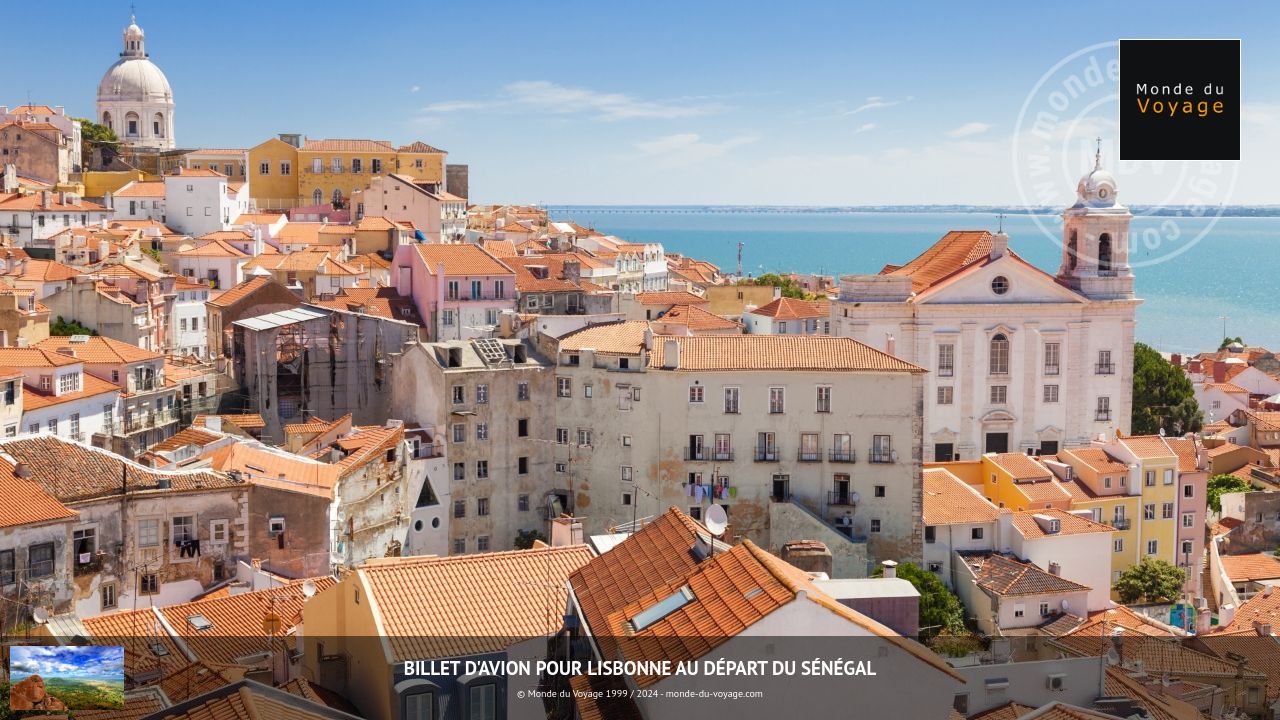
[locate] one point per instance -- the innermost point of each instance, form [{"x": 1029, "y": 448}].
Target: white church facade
[
  {"x": 1018, "y": 360},
  {"x": 134, "y": 97}
]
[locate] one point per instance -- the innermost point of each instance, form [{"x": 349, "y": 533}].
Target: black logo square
[{"x": 1180, "y": 99}]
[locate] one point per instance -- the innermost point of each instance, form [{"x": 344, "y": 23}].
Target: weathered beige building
[
  {"x": 487, "y": 402},
  {"x": 827, "y": 429}
]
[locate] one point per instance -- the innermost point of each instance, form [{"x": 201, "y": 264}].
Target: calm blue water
[{"x": 1230, "y": 271}]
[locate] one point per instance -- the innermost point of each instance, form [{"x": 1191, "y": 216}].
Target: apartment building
[
  {"x": 487, "y": 403},
  {"x": 828, "y": 425}
]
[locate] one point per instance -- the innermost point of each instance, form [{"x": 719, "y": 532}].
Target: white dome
[
  {"x": 134, "y": 79},
  {"x": 1098, "y": 187}
]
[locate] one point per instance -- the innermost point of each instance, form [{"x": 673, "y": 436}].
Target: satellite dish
[
  {"x": 40, "y": 615},
  {"x": 717, "y": 520},
  {"x": 309, "y": 588}
]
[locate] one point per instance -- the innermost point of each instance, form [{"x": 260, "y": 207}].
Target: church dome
[
  {"x": 1098, "y": 187},
  {"x": 136, "y": 79}
]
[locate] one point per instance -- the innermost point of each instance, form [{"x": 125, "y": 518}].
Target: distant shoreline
[{"x": 1243, "y": 211}]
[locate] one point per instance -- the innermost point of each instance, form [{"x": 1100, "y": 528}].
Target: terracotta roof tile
[
  {"x": 956, "y": 250},
  {"x": 1069, "y": 524},
  {"x": 948, "y": 500},
  {"x": 614, "y": 338},
  {"x": 44, "y": 271},
  {"x": 142, "y": 188},
  {"x": 214, "y": 248},
  {"x": 235, "y": 294},
  {"x": 1008, "y": 577},
  {"x": 1008, "y": 711},
  {"x": 27, "y": 502},
  {"x": 696, "y": 318},
  {"x": 785, "y": 308},
  {"x": 464, "y": 259},
  {"x": 98, "y": 349},
  {"x": 1148, "y": 447},
  {"x": 420, "y": 147},
  {"x": 1020, "y": 466},
  {"x": 776, "y": 352},
  {"x": 346, "y": 145},
  {"x": 1254, "y": 566},
  {"x": 1097, "y": 459},
  {"x": 432, "y": 607},
  {"x": 72, "y": 472},
  {"x": 671, "y": 297}
]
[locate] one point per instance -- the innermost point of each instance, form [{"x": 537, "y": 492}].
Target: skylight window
[
  {"x": 199, "y": 622},
  {"x": 663, "y": 608}
]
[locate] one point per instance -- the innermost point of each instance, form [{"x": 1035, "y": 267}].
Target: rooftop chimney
[
  {"x": 890, "y": 568},
  {"x": 999, "y": 245},
  {"x": 21, "y": 469},
  {"x": 1219, "y": 372},
  {"x": 671, "y": 354}
]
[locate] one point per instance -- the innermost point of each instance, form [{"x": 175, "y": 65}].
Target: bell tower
[{"x": 1095, "y": 238}]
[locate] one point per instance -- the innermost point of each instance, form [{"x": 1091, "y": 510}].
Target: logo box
[{"x": 1180, "y": 99}]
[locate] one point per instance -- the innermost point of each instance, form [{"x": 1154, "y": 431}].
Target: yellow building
[
  {"x": 290, "y": 171},
  {"x": 273, "y": 174},
  {"x": 1151, "y": 489},
  {"x": 228, "y": 161}
]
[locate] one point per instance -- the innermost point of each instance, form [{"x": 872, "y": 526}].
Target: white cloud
[
  {"x": 969, "y": 128},
  {"x": 683, "y": 149},
  {"x": 865, "y": 127},
  {"x": 551, "y": 98},
  {"x": 415, "y": 88},
  {"x": 875, "y": 102}
]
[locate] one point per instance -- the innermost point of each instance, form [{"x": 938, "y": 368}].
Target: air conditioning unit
[
  {"x": 1056, "y": 682},
  {"x": 935, "y": 567},
  {"x": 276, "y": 525}
]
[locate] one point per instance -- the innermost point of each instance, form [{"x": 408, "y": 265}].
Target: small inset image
[{"x": 53, "y": 677}]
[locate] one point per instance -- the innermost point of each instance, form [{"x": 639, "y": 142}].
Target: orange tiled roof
[
  {"x": 33, "y": 357},
  {"x": 214, "y": 248},
  {"x": 190, "y": 436},
  {"x": 98, "y": 349},
  {"x": 1020, "y": 466},
  {"x": 1264, "y": 607},
  {"x": 776, "y": 352},
  {"x": 1008, "y": 577},
  {"x": 1008, "y": 711},
  {"x": 697, "y": 318},
  {"x": 432, "y": 607},
  {"x": 196, "y": 172},
  {"x": 27, "y": 502},
  {"x": 1260, "y": 653},
  {"x": 948, "y": 500},
  {"x": 276, "y": 468},
  {"x": 44, "y": 271},
  {"x": 1068, "y": 523},
  {"x": 235, "y": 294},
  {"x": 345, "y": 145},
  {"x": 380, "y": 302},
  {"x": 35, "y": 201},
  {"x": 670, "y": 297},
  {"x": 72, "y": 472},
  {"x": 614, "y": 338},
  {"x": 90, "y": 386},
  {"x": 1253, "y": 566},
  {"x": 1148, "y": 447},
  {"x": 244, "y": 421},
  {"x": 1097, "y": 459},
  {"x": 785, "y": 308},
  {"x": 955, "y": 251},
  {"x": 464, "y": 259},
  {"x": 420, "y": 147},
  {"x": 142, "y": 188}
]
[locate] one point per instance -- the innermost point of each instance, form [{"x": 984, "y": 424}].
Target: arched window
[
  {"x": 317, "y": 197},
  {"x": 337, "y": 198},
  {"x": 106, "y": 120},
  {"x": 999, "y": 360},
  {"x": 1104, "y": 253},
  {"x": 131, "y": 125},
  {"x": 157, "y": 125},
  {"x": 1071, "y": 251}
]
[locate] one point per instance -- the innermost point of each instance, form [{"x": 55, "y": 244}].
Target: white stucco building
[
  {"x": 134, "y": 97},
  {"x": 1018, "y": 359}
]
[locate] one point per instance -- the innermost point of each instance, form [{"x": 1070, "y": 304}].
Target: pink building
[{"x": 459, "y": 290}]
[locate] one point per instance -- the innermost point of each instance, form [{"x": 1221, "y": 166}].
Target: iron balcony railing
[
  {"x": 840, "y": 497},
  {"x": 811, "y": 455},
  {"x": 842, "y": 456},
  {"x": 695, "y": 453},
  {"x": 1105, "y": 368},
  {"x": 766, "y": 454}
]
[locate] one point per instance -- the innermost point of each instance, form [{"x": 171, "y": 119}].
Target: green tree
[
  {"x": 65, "y": 328},
  {"x": 526, "y": 538},
  {"x": 92, "y": 136},
  {"x": 1151, "y": 580},
  {"x": 1221, "y": 484},
  {"x": 789, "y": 287},
  {"x": 940, "y": 610},
  {"x": 1227, "y": 341},
  {"x": 1162, "y": 396}
]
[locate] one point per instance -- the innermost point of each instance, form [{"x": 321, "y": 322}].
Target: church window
[
  {"x": 1104, "y": 253},
  {"x": 1071, "y": 251},
  {"x": 1000, "y": 285},
  {"x": 317, "y": 197},
  {"x": 999, "y": 355}
]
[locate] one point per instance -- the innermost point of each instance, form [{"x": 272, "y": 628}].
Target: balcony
[
  {"x": 92, "y": 567},
  {"x": 842, "y": 498},
  {"x": 1102, "y": 416},
  {"x": 695, "y": 453},
  {"x": 810, "y": 455},
  {"x": 475, "y": 298},
  {"x": 880, "y": 456},
  {"x": 842, "y": 456},
  {"x": 766, "y": 454},
  {"x": 1052, "y": 369},
  {"x": 1119, "y": 523},
  {"x": 722, "y": 454},
  {"x": 433, "y": 450},
  {"x": 1105, "y": 369}
]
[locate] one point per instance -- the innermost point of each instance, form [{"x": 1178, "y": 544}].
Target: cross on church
[
  {"x": 1097, "y": 157},
  {"x": 1000, "y": 229}
]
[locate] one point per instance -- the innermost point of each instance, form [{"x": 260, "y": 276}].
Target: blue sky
[
  {"x": 662, "y": 102},
  {"x": 55, "y": 661}
]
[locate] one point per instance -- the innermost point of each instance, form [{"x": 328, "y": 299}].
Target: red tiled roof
[
  {"x": 776, "y": 352},
  {"x": 949, "y": 500},
  {"x": 98, "y": 349},
  {"x": 956, "y": 250},
  {"x": 670, "y": 297},
  {"x": 785, "y": 308},
  {"x": 463, "y": 259}
]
